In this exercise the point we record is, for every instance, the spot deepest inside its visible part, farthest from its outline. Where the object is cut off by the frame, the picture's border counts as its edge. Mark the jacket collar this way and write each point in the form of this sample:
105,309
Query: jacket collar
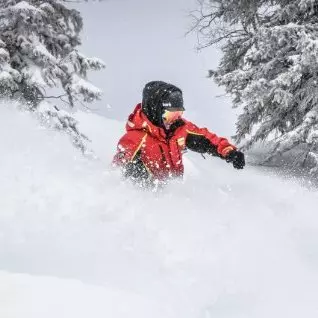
137,120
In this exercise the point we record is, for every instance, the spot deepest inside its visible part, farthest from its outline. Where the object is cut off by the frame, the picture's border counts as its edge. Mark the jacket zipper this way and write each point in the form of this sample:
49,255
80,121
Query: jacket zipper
164,159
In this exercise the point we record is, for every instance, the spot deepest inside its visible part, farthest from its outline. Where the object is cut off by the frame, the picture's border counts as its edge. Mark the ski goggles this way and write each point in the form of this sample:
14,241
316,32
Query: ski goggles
171,116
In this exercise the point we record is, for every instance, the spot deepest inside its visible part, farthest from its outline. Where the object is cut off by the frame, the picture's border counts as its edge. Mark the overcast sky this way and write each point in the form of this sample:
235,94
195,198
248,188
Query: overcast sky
144,40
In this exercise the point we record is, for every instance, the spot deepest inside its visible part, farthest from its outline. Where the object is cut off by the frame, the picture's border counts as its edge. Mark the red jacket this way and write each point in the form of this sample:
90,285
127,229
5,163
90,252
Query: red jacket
161,154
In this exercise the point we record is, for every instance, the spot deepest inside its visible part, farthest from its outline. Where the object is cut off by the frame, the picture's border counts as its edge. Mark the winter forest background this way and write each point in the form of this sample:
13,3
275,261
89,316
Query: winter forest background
76,240
268,58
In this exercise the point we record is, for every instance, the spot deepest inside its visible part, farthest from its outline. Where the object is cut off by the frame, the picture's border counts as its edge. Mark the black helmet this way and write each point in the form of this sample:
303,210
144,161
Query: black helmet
158,96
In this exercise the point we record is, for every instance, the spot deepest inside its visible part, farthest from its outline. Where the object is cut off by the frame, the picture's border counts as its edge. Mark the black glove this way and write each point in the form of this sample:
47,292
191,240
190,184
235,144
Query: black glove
237,158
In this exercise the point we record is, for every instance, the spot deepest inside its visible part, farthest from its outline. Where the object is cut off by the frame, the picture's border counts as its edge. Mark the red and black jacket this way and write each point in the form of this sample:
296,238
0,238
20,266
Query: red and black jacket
148,151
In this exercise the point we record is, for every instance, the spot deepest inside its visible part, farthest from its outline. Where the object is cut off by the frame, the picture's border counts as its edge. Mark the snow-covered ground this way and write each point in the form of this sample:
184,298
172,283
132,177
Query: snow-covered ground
76,241
28,296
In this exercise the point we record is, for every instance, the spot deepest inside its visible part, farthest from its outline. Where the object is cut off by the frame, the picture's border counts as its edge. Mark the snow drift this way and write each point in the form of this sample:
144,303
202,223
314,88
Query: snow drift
28,296
222,243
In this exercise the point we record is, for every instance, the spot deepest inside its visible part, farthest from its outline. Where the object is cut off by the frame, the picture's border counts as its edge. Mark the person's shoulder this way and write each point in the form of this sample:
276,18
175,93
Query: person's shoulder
132,137
189,124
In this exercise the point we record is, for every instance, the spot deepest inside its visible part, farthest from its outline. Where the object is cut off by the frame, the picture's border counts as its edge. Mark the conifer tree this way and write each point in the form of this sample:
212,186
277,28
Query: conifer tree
38,55
269,67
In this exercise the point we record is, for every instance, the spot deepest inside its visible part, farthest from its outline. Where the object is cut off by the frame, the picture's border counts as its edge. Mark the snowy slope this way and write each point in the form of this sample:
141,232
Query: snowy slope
223,243
27,296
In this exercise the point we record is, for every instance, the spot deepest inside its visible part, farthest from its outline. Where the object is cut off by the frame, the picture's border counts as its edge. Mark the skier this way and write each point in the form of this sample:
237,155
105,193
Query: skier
157,135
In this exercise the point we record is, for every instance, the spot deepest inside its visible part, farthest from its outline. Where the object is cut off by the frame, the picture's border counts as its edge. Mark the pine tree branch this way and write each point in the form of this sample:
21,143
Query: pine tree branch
57,97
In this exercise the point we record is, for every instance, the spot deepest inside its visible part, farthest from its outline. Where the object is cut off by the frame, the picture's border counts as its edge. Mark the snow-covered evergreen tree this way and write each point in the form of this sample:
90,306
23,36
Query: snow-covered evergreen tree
270,68
38,52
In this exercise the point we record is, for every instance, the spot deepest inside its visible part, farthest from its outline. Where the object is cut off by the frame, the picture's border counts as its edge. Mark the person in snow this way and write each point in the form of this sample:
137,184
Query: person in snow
157,135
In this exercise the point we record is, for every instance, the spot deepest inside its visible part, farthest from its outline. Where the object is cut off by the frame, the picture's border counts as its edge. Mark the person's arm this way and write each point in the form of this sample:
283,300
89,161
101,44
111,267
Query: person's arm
203,141
128,156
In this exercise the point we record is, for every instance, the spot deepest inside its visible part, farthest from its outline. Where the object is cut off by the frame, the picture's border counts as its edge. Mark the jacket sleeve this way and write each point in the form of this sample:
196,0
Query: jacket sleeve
203,141
128,156
128,147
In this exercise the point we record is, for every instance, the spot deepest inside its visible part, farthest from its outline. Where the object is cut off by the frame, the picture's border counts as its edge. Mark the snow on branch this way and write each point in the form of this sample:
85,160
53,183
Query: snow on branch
269,67
39,43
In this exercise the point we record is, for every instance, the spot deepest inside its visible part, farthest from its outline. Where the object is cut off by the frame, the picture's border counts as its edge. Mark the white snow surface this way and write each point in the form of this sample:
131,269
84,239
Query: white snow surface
77,241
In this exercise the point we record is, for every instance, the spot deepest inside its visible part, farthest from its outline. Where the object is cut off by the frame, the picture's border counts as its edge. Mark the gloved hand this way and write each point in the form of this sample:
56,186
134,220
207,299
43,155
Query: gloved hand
237,158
